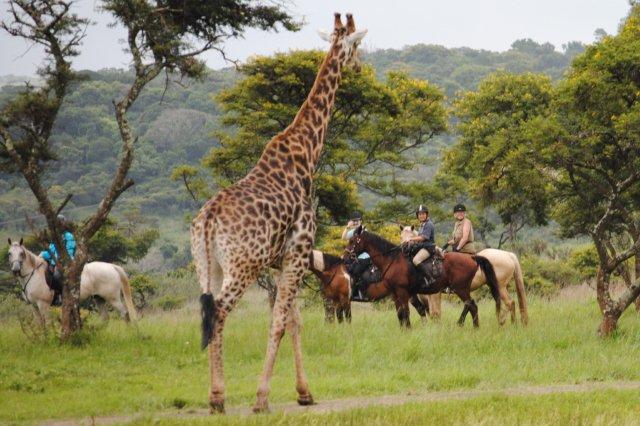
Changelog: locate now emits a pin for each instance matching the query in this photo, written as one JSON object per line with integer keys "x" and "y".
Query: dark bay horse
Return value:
{"x": 335, "y": 287}
{"x": 401, "y": 280}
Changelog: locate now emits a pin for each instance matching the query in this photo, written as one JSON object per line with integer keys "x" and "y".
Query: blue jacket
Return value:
{"x": 51, "y": 254}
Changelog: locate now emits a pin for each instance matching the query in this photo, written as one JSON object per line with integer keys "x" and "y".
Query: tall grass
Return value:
{"x": 158, "y": 365}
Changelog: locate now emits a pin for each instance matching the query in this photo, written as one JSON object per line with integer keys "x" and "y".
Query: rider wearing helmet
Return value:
{"x": 422, "y": 246}
{"x": 360, "y": 265}
{"x": 462, "y": 238}
{"x": 50, "y": 255}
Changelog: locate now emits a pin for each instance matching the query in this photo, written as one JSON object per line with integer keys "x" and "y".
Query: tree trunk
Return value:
{"x": 609, "y": 323}
{"x": 635, "y": 279}
{"x": 71, "y": 321}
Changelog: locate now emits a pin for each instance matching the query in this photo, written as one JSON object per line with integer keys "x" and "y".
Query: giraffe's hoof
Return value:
{"x": 261, "y": 408}
{"x": 216, "y": 407}
{"x": 305, "y": 400}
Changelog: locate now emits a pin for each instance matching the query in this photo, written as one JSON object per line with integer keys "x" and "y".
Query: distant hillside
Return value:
{"x": 461, "y": 69}
{"x": 175, "y": 124}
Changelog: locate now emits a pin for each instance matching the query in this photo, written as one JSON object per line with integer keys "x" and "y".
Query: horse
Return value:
{"x": 506, "y": 266}
{"x": 335, "y": 287}
{"x": 401, "y": 279}
{"x": 97, "y": 279}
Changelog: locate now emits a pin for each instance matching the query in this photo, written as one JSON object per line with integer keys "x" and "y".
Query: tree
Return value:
{"x": 162, "y": 35}
{"x": 375, "y": 130}
{"x": 495, "y": 153}
{"x": 579, "y": 145}
{"x": 591, "y": 143}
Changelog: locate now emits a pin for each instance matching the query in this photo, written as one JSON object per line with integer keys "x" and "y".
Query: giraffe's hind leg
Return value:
{"x": 285, "y": 315}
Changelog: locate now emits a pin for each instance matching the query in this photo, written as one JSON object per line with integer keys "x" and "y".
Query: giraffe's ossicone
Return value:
{"x": 266, "y": 220}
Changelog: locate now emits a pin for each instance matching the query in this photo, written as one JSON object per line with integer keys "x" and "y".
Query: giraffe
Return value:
{"x": 266, "y": 219}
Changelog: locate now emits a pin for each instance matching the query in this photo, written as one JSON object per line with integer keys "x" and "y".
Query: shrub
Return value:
{"x": 169, "y": 303}
{"x": 584, "y": 259}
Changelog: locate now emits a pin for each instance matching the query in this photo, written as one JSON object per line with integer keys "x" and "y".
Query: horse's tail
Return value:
{"x": 201, "y": 253}
{"x": 490, "y": 274}
{"x": 522, "y": 299}
{"x": 126, "y": 293}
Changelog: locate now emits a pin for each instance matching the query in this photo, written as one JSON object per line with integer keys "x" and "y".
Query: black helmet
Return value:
{"x": 422, "y": 209}
{"x": 356, "y": 216}
{"x": 459, "y": 208}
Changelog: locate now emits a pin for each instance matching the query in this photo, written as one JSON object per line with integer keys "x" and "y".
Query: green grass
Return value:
{"x": 158, "y": 365}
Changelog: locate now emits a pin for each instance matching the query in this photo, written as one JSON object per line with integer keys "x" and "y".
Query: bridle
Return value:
{"x": 23, "y": 287}
{"x": 353, "y": 256}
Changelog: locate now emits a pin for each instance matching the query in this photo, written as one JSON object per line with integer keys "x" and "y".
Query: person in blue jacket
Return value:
{"x": 360, "y": 269}
{"x": 50, "y": 255}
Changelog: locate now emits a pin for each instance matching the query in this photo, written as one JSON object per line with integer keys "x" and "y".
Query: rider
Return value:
{"x": 462, "y": 239}
{"x": 50, "y": 255}
{"x": 361, "y": 264}
{"x": 422, "y": 246}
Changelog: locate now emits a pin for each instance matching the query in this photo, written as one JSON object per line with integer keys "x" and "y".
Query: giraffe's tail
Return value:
{"x": 200, "y": 251}
{"x": 208, "y": 309}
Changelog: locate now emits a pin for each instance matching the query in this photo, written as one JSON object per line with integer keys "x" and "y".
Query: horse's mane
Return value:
{"x": 384, "y": 246}
{"x": 330, "y": 260}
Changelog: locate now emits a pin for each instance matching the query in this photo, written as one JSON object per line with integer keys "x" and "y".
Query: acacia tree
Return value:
{"x": 591, "y": 141}
{"x": 495, "y": 155}
{"x": 162, "y": 36}
{"x": 579, "y": 146}
{"x": 375, "y": 129}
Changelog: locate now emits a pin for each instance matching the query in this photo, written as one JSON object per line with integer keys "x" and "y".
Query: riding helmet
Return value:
{"x": 459, "y": 208}
{"x": 422, "y": 209}
{"x": 356, "y": 216}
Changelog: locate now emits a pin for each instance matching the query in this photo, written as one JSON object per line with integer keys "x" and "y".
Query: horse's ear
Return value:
{"x": 401, "y": 227}
{"x": 9, "y": 241}
{"x": 359, "y": 230}
{"x": 21, "y": 241}
{"x": 413, "y": 228}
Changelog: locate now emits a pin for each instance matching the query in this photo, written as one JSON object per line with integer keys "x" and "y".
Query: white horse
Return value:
{"x": 507, "y": 268}
{"x": 97, "y": 279}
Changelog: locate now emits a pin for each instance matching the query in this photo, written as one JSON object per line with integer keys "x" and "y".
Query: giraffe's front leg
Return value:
{"x": 283, "y": 310}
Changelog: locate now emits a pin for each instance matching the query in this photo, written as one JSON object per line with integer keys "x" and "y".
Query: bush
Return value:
{"x": 546, "y": 276}
{"x": 144, "y": 287}
{"x": 169, "y": 303}
{"x": 584, "y": 259}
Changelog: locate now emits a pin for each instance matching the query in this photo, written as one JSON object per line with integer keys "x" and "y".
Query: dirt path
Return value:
{"x": 329, "y": 406}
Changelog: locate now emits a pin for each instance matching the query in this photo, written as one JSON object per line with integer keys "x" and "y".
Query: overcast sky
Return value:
{"x": 481, "y": 24}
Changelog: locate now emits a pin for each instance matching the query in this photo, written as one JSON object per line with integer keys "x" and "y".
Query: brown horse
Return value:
{"x": 401, "y": 280}
{"x": 335, "y": 287}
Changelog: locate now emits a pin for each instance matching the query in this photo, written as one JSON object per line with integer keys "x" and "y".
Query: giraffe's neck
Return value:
{"x": 312, "y": 119}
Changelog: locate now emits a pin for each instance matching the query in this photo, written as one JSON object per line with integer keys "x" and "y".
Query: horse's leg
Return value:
{"x": 435, "y": 305}
{"x": 420, "y": 307}
{"x": 42, "y": 313}
{"x": 339, "y": 313}
{"x": 285, "y": 314}
{"x": 473, "y": 308}
{"x": 509, "y": 304}
{"x": 345, "y": 306}
{"x": 102, "y": 309}
{"x": 401, "y": 300}
{"x": 119, "y": 306}
{"x": 465, "y": 296}
{"x": 329, "y": 311}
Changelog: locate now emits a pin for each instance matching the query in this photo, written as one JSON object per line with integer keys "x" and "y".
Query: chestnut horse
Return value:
{"x": 401, "y": 280}
{"x": 335, "y": 287}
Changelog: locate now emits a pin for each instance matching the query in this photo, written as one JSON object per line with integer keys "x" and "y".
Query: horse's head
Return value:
{"x": 17, "y": 254}
{"x": 406, "y": 233}
{"x": 356, "y": 244}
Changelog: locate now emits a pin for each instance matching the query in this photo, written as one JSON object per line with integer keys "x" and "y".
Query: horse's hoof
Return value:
{"x": 305, "y": 400}
{"x": 216, "y": 407}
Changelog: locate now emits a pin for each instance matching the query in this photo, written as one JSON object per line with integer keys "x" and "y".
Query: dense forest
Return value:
{"x": 176, "y": 122}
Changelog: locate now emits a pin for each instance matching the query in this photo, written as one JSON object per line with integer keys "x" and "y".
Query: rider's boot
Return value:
{"x": 356, "y": 294}
{"x": 428, "y": 282}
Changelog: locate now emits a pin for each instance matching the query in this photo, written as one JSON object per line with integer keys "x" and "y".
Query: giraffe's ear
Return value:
{"x": 325, "y": 35}
{"x": 357, "y": 36}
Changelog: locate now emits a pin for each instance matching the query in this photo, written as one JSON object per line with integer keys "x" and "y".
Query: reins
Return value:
{"x": 24, "y": 287}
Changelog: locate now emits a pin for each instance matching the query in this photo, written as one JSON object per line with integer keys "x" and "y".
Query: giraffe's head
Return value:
{"x": 346, "y": 40}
